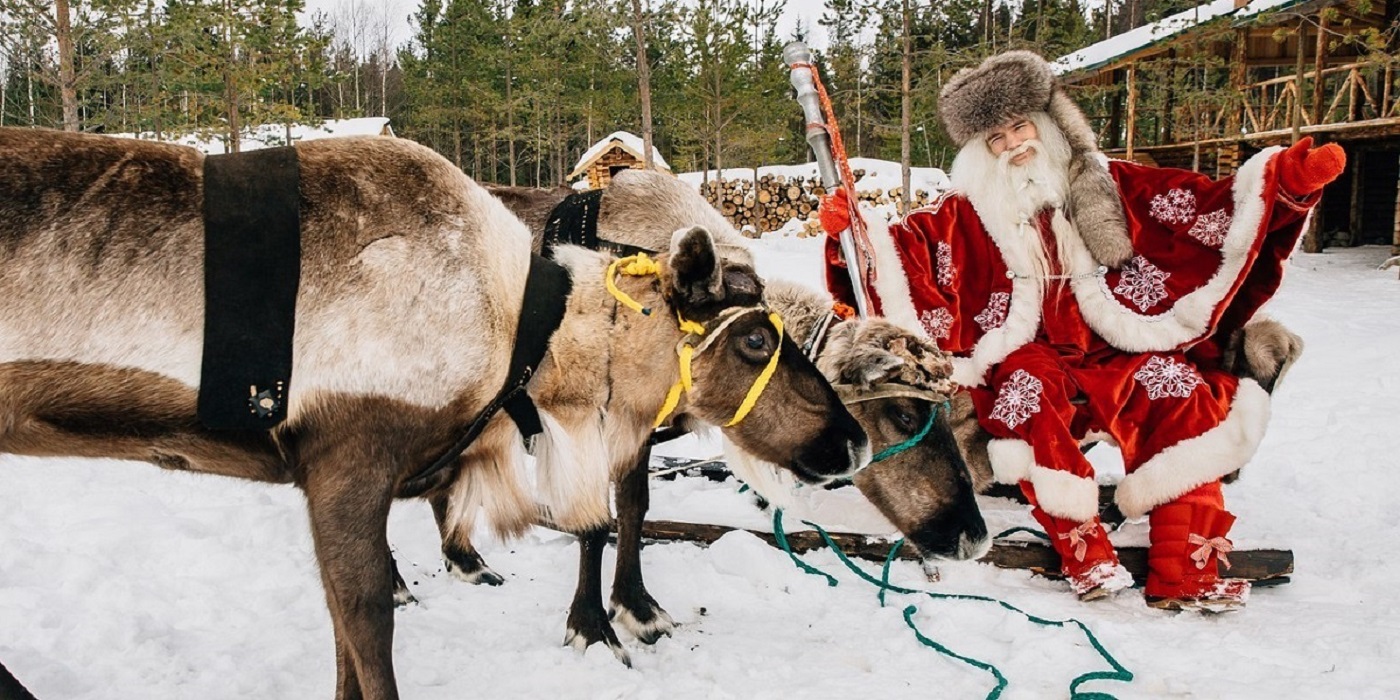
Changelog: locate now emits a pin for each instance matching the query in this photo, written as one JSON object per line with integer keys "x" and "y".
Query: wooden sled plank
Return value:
{"x": 1259, "y": 565}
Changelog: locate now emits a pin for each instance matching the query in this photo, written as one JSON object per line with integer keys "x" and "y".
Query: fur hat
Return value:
{"x": 1017, "y": 83}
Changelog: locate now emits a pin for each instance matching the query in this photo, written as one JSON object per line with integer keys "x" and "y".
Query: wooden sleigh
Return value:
{"x": 1264, "y": 567}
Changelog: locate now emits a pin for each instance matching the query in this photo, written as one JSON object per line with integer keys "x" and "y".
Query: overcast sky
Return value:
{"x": 399, "y": 10}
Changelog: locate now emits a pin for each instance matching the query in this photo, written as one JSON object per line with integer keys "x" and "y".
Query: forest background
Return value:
{"x": 514, "y": 91}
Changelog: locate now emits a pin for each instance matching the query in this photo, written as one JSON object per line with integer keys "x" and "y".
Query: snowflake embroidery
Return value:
{"x": 938, "y": 322}
{"x": 995, "y": 314}
{"x": 1211, "y": 228}
{"x": 1163, "y": 377}
{"x": 1177, "y": 206}
{"x": 1017, "y": 399}
{"x": 1143, "y": 283}
{"x": 944, "y": 257}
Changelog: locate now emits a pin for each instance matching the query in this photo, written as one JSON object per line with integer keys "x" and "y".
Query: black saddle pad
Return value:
{"x": 252, "y": 268}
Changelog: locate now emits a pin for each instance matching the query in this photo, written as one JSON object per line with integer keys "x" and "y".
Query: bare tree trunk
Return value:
{"x": 510, "y": 123}
{"x": 158, "y": 107}
{"x": 67, "y": 76}
{"x": 230, "y": 81}
{"x": 643, "y": 82}
{"x": 906, "y": 107}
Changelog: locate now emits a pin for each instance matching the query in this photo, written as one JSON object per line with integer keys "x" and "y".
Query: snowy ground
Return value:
{"x": 122, "y": 581}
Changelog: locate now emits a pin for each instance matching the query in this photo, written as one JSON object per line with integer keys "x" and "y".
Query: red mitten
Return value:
{"x": 1303, "y": 170}
{"x": 835, "y": 213}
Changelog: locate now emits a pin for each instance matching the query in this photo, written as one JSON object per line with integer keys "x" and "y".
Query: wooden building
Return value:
{"x": 618, "y": 151}
{"x": 1206, "y": 88}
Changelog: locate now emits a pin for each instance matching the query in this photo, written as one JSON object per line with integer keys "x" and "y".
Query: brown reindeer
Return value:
{"x": 926, "y": 491}
{"x": 412, "y": 278}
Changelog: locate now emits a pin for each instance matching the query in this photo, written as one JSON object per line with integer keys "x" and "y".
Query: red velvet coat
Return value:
{"x": 1209, "y": 254}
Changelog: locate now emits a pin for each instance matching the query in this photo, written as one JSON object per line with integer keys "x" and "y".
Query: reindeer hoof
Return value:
{"x": 580, "y": 640}
{"x": 481, "y": 576}
{"x": 403, "y": 599}
{"x": 648, "y": 623}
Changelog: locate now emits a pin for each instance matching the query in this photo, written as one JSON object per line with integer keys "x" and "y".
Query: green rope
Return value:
{"x": 781, "y": 537}
{"x": 893, "y": 450}
{"x": 1119, "y": 672}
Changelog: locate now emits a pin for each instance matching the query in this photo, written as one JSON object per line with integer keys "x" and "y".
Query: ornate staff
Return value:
{"x": 825, "y": 140}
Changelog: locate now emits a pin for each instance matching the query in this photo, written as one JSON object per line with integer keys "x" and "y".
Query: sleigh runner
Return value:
{"x": 1017, "y": 549}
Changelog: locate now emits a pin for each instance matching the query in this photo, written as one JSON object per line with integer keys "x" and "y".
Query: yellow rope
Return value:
{"x": 763, "y": 378}
{"x": 688, "y": 325}
{"x": 633, "y": 266}
{"x": 640, "y": 265}
{"x": 673, "y": 397}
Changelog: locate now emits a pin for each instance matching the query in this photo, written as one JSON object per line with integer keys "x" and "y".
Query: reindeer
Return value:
{"x": 411, "y": 284}
{"x": 894, "y": 382}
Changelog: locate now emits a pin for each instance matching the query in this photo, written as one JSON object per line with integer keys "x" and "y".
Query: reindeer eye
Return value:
{"x": 755, "y": 346}
{"x": 904, "y": 419}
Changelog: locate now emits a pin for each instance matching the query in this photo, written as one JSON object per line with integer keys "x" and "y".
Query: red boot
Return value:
{"x": 1187, "y": 537}
{"x": 1087, "y": 558}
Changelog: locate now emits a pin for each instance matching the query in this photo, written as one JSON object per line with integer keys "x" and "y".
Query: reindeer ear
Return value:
{"x": 866, "y": 366}
{"x": 696, "y": 275}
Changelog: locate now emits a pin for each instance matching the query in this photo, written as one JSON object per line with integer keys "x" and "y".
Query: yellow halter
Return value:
{"x": 640, "y": 265}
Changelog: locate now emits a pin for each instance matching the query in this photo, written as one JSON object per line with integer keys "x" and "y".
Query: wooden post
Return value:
{"x": 1132, "y": 107}
{"x": 1239, "y": 73}
{"x": 1298, "y": 82}
{"x": 1318, "y": 64}
{"x": 1358, "y": 189}
{"x": 1385, "y": 91}
{"x": 1395, "y": 232}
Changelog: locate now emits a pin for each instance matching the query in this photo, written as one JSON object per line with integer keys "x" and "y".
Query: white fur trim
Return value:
{"x": 891, "y": 280}
{"x": 1065, "y": 495}
{"x": 1011, "y": 460}
{"x": 1190, "y": 317}
{"x": 1201, "y": 459}
{"x": 1059, "y": 492}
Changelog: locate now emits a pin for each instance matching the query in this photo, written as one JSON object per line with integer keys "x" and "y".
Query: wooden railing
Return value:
{"x": 1350, "y": 93}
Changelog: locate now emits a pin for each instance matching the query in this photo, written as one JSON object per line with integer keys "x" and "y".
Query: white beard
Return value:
{"x": 1009, "y": 197}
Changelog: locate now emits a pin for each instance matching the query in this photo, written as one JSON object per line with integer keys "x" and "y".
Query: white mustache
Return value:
{"x": 1028, "y": 145}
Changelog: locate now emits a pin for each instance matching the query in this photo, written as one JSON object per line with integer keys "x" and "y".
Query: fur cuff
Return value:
{"x": 1059, "y": 492}
{"x": 1199, "y": 460}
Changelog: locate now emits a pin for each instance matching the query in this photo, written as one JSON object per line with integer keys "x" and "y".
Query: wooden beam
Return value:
{"x": 1253, "y": 565}
{"x": 1395, "y": 232}
{"x": 1320, "y": 55}
{"x": 1132, "y": 107}
{"x": 1298, "y": 80}
{"x": 1357, "y": 163}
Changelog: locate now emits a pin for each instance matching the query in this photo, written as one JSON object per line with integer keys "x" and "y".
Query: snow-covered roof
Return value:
{"x": 271, "y": 135}
{"x": 629, "y": 142}
{"x": 1109, "y": 50}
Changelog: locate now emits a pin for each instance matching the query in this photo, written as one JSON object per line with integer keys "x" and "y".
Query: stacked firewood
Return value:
{"x": 769, "y": 204}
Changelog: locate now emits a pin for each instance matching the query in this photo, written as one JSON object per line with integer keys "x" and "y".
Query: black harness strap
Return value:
{"x": 252, "y": 268}
{"x": 546, "y": 290}
{"x": 574, "y": 221}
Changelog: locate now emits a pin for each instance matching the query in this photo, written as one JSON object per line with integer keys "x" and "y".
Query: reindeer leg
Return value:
{"x": 632, "y": 606}
{"x": 588, "y": 623}
{"x": 460, "y": 556}
{"x": 349, "y": 510}
{"x": 402, "y": 596}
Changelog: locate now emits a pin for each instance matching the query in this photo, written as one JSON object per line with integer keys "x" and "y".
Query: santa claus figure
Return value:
{"x": 1085, "y": 298}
